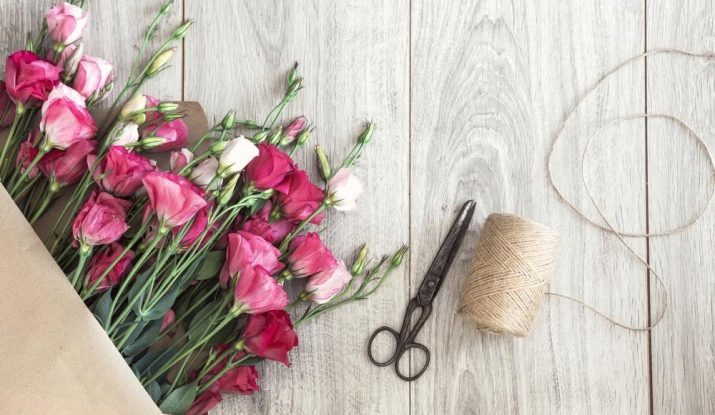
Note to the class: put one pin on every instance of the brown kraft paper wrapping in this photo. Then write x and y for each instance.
(55, 358)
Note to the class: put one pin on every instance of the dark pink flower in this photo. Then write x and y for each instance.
(30, 78)
(309, 256)
(101, 221)
(121, 171)
(66, 167)
(269, 169)
(257, 292)
(65, 119)
(271, 229)
(173, 198)
(322, 287)
(247, 251)
(7, 107)
(301, 198)
(101, 261)
(26, 154)
(270, 335)
(197, 228)
(172, 135)
(66, 23)
(205, 402)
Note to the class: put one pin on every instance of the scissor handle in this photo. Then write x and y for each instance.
(402, 351)
(394, 354)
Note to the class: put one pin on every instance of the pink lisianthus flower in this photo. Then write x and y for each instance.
(196, 229)
(344, 189)
(174, 199)
(121, 171)
(101, 221)
(66, 23)
(7, 107)
(179, 159)
(101, 261)
(93, 74)
(26, 154)
(169, 135)
(29, 78)
(322, 287)
(125, 136)
(273, 230)
(66, 167)
(269, 169)
(65, 119)
(309, 256)
(205, 402)
(247, 251)
(257, 292)
(293, 128)
(270, 335)
(242, 379)
(301, 199)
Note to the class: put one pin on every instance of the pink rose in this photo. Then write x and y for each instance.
(66, 167)
(301, 198)
(269, 169)
(93, 74)
(29, 78)
(270, 335)
(322, 287)
(66, 23)
(101, 221)
(102, 260)
(26, 154)
(65, 119)
(121, 171)
(344, 189)
(173, 198)
(271, 229)
(7, 107)
(172, 135)
(247, 251)
(309, 256)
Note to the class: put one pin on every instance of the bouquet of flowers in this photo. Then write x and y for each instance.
(185, 267)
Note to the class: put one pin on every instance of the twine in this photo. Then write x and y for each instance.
(515, 257)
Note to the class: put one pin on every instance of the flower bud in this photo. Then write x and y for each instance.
(359, 264)
(293, 75)
(398, 257)
(138, 103)
(159, 63)
(323, 163)
(166, 107)
(250, 124)
(366, 135)
(72, 63)
(304, 136)
(227, 192)
(180, 31)
(294, 88)
(228, 121)
(237, 154)
(260, 137)
(151, 142)
(172, 116)
(218, 147)
(204, 174)
(275, 137)
(294, 128)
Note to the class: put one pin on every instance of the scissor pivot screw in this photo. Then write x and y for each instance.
(431, 284)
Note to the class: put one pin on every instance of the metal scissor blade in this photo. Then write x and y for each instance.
(443, 260)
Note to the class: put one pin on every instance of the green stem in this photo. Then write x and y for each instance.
(40, 210)
(85, 253)
(24, 175)
(10, 140)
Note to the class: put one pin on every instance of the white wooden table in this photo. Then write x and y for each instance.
(466, 95)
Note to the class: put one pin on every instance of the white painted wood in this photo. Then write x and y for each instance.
(683, 347)
(490, 81)
(354, 58)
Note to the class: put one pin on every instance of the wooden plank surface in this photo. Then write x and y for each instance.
(354, 57)
(483, 112)
(680, 180)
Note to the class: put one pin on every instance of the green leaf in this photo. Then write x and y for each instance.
(161, 307)
(200, 323)
(136, 294)
(179, 401)
(147, 338)
(101, 309)
(154, 391)
(211, 266)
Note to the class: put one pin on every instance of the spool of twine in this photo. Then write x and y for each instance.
(514, 261)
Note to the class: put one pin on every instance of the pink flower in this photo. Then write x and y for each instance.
(66, 167)
(309, 256)
(205, 402)
(101, 261)
(257, 292)
(168, 319)
(247, 251)
(93, 74)
(173, 198)
(101, 221)
(241, 379)
(322, 287)
(67, 53)
(270, 335)
(7, 107)
(344, 189)
(66, 23)
(30, 78)
(197, 227)
(126, 136)
(172, 135)
(26, 154)
(269, 169)
(301, 198)
(121, 171)
(65, 119)
(179, 159)
(296, 126)
(271, 229)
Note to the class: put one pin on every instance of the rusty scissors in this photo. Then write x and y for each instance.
(405, 339)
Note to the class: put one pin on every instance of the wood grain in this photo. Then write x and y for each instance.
(354, 57)
(683, 347)
(483, 109)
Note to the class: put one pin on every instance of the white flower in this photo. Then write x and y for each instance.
(344, 189)
(129, 134)
(204, 174)
(237, 154)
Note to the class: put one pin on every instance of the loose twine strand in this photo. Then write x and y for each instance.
(515, 256)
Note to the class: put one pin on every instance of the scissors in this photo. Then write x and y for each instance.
(405, 339)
